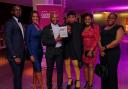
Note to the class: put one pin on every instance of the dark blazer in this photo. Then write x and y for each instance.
(14, 39)
(49, 41)
(48, 36)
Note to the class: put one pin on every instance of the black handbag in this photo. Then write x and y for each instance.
(101, 70)
(86, 54)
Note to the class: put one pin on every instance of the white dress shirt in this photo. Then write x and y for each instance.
(56, 32)
(20, 25)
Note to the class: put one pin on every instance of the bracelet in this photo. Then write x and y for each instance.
(14, 57)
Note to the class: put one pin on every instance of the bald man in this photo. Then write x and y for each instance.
(53, 43)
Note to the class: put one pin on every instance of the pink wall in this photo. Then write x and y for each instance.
(35, 2)
(20, 2)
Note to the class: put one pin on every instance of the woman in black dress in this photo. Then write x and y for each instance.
(72, 49)
(111, 35)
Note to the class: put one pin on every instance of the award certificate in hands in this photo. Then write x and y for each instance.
(63, 31)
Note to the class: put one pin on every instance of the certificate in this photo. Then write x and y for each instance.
(63, 31)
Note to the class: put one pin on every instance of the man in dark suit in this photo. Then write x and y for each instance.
(14, 36)
(53, 42)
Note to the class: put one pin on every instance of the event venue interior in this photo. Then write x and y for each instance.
(100, 10)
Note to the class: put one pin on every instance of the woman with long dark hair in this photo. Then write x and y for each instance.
(33, 40)
(90, 42)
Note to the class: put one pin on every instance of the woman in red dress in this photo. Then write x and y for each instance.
(90, 42)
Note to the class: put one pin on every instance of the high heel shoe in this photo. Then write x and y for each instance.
(69, 85)
(76, 83)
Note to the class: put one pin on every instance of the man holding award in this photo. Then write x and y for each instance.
(52, 39)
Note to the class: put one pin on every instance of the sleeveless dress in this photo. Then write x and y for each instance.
(111, 58)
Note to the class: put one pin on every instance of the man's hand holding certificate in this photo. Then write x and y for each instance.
(63, 31)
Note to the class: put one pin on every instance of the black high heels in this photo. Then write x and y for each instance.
(90, 87)
(76, 83)
(70, 85)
